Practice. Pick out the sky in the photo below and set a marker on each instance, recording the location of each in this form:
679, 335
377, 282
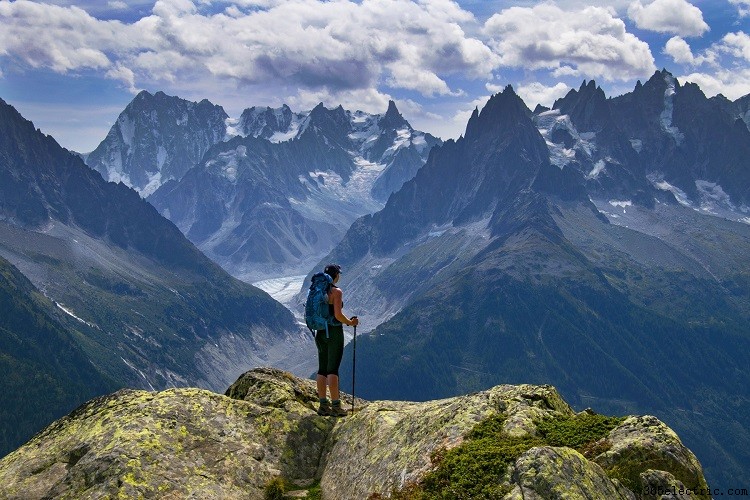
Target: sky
72, 66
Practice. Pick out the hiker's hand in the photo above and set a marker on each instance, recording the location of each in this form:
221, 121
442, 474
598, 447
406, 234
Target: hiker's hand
354, 321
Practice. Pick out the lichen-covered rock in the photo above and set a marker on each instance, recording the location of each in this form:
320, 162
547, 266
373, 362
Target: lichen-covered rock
661, 485
177, 443
547, 473
265, 433
388, 443
644, 442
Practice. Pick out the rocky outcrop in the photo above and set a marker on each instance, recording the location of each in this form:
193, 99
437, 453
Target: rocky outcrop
388, 444
264, 433
177, 443
547, 472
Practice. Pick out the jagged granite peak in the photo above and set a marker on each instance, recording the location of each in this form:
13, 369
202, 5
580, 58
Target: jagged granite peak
504, 111
648, 97
331, 121
742, 106
190, 442
44, 182
505, 125
157, 138
660, 76
393, 118
587, 107
693, 148
274, 124
467, 181
649, 100
583, 133
662, 142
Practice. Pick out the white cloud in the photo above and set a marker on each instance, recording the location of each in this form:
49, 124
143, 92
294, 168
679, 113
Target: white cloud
124, 75
678, 17
233, 11
117, 5
369, 100
311, 44
743, 7
737, 44
725, 67
494, 87
31, 34
591, 42
732, 84
538, 93
679, 50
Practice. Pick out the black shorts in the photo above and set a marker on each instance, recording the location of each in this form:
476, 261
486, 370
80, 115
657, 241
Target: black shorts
330, 350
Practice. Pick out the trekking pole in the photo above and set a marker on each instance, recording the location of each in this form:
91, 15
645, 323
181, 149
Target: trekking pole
354, 362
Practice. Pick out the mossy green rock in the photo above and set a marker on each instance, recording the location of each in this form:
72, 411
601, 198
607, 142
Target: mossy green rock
388, 444
644, 442
562, 473
661, 485
179, 443
191, 443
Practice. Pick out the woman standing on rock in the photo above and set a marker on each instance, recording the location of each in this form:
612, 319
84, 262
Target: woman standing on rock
330, 344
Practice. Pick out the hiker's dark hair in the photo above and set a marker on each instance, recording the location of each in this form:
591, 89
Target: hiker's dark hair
332, 270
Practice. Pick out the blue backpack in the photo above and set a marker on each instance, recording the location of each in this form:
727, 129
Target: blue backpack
317, 314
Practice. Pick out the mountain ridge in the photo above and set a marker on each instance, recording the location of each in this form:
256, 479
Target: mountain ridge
661, 141
46, 372
141, 303
579, 272
157, 138
303, 188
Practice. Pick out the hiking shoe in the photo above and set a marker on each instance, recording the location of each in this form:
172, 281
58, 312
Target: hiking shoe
325, 409
337, 411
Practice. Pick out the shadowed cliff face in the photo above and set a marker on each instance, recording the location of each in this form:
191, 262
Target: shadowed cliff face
136, 302
157, 138
189, 442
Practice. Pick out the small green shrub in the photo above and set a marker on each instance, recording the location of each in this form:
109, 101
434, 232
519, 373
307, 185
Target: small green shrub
314, 492
274, 489
475, 469
578, 431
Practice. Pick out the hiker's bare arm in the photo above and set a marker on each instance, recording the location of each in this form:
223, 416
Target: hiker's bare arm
337, 312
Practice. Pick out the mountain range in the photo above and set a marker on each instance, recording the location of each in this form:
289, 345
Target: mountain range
270, 193
601, 246
114, 287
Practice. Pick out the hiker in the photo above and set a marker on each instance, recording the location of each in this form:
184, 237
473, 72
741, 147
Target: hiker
330, 343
